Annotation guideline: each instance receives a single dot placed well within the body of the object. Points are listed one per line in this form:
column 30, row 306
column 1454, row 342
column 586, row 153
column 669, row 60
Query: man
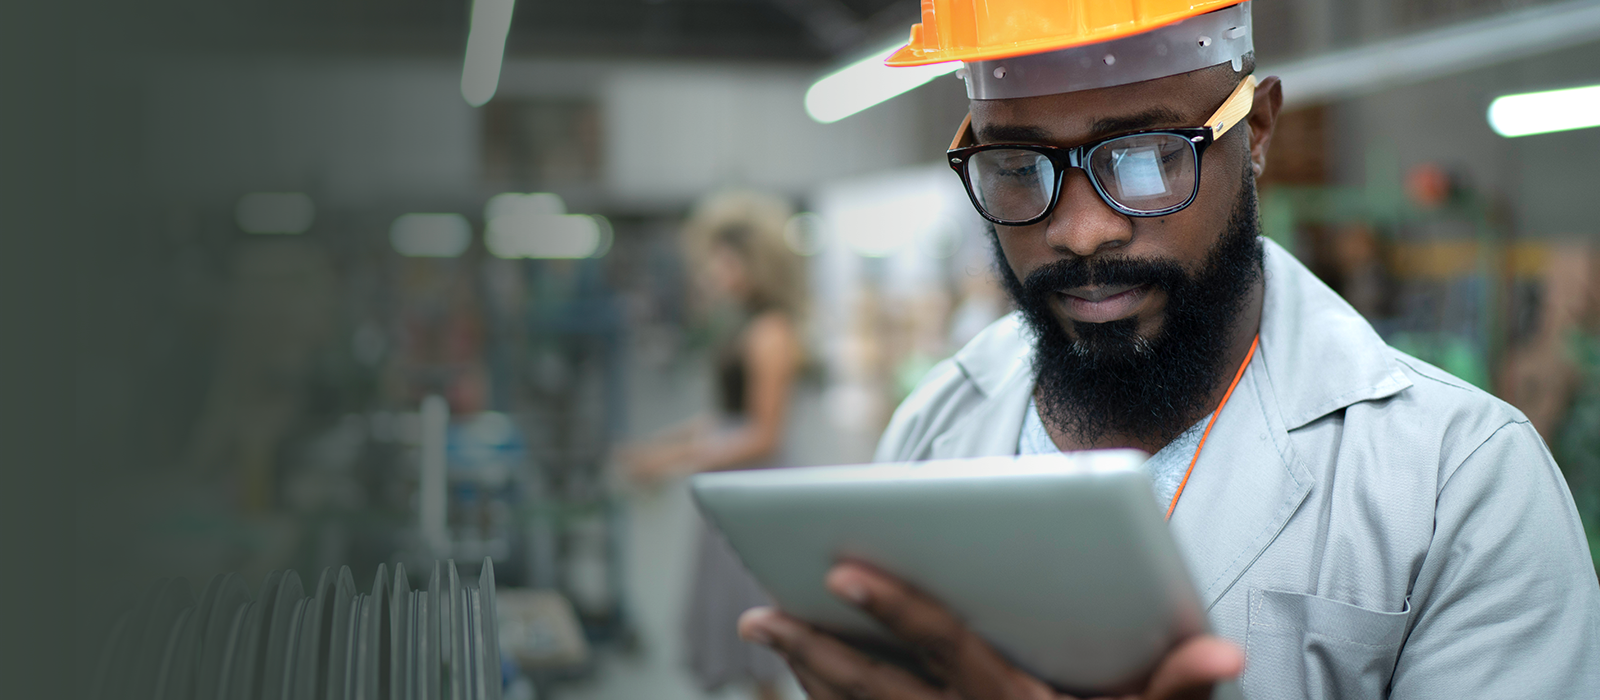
column 1359, row 523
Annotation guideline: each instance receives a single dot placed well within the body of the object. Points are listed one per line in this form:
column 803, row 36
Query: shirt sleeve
column 1506, row 602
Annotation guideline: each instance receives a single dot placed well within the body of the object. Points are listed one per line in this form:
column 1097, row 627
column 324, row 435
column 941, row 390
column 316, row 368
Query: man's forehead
column 1071, row 118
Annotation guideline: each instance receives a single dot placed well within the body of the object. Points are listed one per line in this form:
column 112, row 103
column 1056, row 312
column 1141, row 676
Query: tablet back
column 1063, row 562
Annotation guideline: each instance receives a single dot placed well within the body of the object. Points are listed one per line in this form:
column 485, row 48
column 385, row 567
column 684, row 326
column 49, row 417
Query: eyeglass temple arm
column 963, row 134
column 1234, row 109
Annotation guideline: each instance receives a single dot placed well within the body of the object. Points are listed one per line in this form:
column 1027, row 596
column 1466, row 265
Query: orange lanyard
column 1236, row 377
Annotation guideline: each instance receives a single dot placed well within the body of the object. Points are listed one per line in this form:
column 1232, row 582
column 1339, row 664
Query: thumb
column 1194, row 667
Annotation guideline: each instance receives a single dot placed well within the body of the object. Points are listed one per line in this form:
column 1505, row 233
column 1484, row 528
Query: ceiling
column 809, row 30
column 817, row 32
column 812, row 31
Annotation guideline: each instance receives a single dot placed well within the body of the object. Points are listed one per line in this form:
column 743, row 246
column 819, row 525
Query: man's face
column 1132, row 315
column 1082, row 226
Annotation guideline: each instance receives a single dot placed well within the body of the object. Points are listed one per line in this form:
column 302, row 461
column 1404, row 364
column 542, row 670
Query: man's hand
column 969, row 669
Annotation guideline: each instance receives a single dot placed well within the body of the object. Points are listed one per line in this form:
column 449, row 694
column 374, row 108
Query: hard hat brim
column 910, row 55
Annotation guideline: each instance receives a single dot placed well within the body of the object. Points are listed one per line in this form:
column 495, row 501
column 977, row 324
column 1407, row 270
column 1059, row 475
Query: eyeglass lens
column 1139, row 173
column 1012, row 184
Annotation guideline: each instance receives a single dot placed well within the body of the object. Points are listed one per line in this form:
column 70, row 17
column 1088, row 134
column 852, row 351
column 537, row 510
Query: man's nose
column 1082, row 223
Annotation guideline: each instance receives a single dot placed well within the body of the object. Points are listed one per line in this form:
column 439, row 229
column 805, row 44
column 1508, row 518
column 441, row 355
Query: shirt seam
column 1421, row 372
column 1445, row 482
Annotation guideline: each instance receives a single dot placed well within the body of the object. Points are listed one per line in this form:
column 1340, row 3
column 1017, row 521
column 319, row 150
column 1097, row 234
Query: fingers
column 1194, row 667
column 948, row 650
column 831, row 670
column 815, row 688
column 825, row 666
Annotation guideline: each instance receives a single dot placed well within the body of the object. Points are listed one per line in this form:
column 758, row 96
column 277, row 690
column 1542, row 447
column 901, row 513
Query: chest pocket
column 1304, row 646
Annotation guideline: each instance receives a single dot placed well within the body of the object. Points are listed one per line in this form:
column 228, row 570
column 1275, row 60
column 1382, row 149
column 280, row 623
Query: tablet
column 1062, row 562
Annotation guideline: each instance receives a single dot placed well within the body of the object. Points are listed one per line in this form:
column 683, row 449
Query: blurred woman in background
column 752, row 292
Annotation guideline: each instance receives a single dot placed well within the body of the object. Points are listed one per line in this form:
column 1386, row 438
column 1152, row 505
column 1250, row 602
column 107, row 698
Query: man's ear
column 1263, row 119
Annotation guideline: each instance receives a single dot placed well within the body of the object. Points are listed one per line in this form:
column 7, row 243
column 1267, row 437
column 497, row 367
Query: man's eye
column 1028, row 170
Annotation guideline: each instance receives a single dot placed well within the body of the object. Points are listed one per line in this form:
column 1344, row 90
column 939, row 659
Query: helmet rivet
column 1205, row 41
column 1000, row 72
column 1110, row 60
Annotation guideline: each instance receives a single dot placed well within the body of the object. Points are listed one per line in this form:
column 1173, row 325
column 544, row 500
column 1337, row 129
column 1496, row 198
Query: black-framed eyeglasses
column 1146, row 173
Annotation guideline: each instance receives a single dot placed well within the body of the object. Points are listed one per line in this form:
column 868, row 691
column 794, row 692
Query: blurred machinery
column 437, row 642
column 431, row 407
column 518, row 409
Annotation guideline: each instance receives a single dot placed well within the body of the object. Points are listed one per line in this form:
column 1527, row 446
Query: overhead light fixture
column 548, row 236
column 486, row 49
column 865, row 83
column 274, row 212
column 1413, row 58
column 537, row 225
column 1543, row 112
column 430, row 235
column 523, row 204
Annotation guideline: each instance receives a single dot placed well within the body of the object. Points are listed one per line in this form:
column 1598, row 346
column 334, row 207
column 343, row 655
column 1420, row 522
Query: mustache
column 1080, row 272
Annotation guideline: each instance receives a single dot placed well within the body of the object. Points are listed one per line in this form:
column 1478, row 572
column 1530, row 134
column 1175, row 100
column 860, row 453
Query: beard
column 1105, row 379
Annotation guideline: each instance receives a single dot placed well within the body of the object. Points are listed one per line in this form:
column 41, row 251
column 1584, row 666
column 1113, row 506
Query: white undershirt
column 1165, row 468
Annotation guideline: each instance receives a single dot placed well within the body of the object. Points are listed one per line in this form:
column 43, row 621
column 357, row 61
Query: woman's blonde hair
column 751, row 224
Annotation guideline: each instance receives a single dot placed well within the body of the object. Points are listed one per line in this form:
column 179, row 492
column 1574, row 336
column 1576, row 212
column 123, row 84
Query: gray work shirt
column 1362, row 523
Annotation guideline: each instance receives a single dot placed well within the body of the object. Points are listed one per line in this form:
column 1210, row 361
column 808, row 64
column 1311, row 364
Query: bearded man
column 1357, row 522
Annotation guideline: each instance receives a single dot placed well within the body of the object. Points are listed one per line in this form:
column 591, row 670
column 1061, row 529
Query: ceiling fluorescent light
column 486, row 49
column 865, row 83
column 523, row 204
column 548, row 236
column 430, row 235
column 1544, row 112
column 1414, row 58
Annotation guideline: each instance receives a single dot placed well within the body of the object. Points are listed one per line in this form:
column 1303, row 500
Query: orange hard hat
column 982, row 30
column 1025, row 48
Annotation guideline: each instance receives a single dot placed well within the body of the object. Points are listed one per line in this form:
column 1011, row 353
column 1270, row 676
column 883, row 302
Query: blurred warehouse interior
column 334, row 313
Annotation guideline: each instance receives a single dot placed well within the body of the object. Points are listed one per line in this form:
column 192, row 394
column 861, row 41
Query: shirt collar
column 1002, row 352
column 1319, row 352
